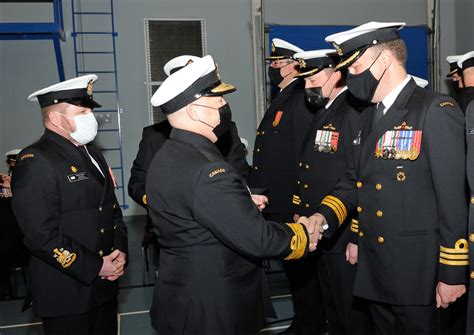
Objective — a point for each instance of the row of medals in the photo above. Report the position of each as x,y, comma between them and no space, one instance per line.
393,153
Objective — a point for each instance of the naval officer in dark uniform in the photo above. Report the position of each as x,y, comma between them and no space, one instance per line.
470,178
455,75
408,186
64,201
277,146
212,236
466,94
327,152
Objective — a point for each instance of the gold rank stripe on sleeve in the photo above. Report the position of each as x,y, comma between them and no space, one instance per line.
453,257
355,226
296,200
299,241
457,256
453,263
337,206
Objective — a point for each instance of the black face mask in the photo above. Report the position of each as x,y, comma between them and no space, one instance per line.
364,85
455,87
315,97
225,115
275,76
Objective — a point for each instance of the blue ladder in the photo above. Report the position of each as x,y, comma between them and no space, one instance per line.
108,113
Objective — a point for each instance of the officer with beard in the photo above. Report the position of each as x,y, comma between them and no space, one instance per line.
64,201
408,186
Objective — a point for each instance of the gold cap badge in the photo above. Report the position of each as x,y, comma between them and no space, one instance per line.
89,87
338,49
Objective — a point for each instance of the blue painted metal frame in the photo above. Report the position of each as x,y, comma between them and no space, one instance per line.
83,53
40,31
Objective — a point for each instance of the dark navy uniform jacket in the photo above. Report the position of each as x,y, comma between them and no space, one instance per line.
277,147
465,96
470,177
212,240
70,217
412,212
319,169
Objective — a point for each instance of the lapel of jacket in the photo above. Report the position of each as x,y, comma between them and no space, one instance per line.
282,97
107,179
332,111
69,151
393,114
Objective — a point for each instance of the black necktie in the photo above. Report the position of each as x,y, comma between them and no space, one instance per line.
378,114
83,150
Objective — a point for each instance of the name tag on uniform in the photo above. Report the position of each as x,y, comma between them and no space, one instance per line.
77,177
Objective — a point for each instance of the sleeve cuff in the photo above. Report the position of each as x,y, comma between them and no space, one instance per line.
453,263
354,237
336,206
299,242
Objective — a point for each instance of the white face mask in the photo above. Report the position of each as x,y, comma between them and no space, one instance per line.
86,128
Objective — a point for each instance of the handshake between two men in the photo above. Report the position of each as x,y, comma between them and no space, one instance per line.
315,225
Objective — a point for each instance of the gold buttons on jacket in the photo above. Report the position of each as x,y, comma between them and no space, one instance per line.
298,182
115,227
378,187
472,200
263,132
380,239
361,234
101,252
359,209
100,209
306,167
471,238
379,214
255,167
114,206
102,230
301,164
359,184
306,205
306,186
112,249
258,149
